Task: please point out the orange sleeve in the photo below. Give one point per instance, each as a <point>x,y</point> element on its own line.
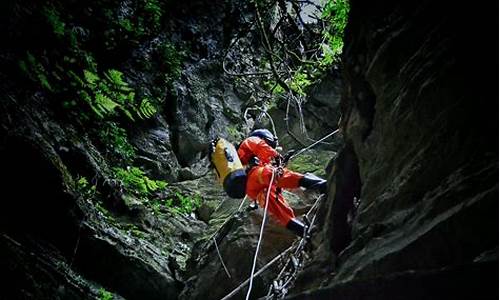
<point>261,149</point>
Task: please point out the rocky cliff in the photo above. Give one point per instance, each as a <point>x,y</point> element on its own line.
<point>107,108</point>
<point>413,204</point>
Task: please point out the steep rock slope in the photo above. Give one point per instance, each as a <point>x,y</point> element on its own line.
<point>68,227</point>
<point>413,204</point>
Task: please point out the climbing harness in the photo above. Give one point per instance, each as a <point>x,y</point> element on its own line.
<point>297,252</point>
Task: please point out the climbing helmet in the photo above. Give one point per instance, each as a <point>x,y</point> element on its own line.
<point>266,135</point>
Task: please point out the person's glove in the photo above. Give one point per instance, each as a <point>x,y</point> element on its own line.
<point>287,155</point>
<point>254,161</point>
<point>278,160</point>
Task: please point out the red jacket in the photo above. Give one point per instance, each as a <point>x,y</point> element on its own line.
<point>259,178</point>
<point>255,146</point>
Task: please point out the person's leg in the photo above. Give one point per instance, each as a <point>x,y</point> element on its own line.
<point>289,179</point>
<point>277,207</point>
<point>313,182</point>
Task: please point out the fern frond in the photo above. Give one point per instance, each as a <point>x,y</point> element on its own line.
<point>90,78</point>
<point>147,109</point>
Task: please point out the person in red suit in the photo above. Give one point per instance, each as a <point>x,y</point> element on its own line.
<point>258,152</point>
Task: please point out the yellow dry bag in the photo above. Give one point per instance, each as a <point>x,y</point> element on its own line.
<point>230,171</point>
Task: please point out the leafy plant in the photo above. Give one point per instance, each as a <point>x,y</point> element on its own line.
<point>154,12</point>
<point>335,13</point>
<point>106,96</point>
<point>135,181</point>
<point>85,189</point>
<point>34,70</point>
<point>146,109</point>
<point>299,82</point>
<point>115,138</point>
<point>183,203</point>
<point>170,61</point>
<point>53,18</point>
<point>105,295</point>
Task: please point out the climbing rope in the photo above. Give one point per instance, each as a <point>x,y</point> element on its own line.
<point>260,236</point>
<point>292,251</point>
<point>270,263</point>
<point>221,260</point>
<point>280,285</point>
<point>263,112</point>
<point>313,144</point>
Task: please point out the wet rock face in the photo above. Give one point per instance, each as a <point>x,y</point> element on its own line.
<point>320,112</point>
<point>155,152</point>
<point>58,242</point>
<point>419,121</point>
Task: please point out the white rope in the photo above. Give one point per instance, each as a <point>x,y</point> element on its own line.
<point>260,237</point>
<point>313,144</point>
<point>263,112</point>
<point>237,289</point>
<point>220,257</point>
<point>298,249</point>
<point>241,204</point>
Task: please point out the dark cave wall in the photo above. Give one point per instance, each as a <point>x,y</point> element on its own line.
<point>419,115</point>
<point>56,243</point>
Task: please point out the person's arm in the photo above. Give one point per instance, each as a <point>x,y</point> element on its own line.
<point>262,150</point>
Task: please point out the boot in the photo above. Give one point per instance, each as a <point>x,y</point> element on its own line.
<point>296,227</point>
<point>313,182</point>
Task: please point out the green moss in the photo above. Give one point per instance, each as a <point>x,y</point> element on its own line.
<point>85,189</point>
<point>313,161</point>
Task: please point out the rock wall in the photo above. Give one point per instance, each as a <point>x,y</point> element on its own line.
<point>57,241</point>
<point>413,205</point>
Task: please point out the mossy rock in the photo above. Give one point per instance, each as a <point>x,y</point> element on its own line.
<point>312,161</point>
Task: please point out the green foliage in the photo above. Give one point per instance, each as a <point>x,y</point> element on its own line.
<point>153,12</point>
<point>273,87</point>
<point>133,230</point>
<point>54,19</point>
<point>299,82</point>
<point>111,94</point>
<point>34,70</point>
<point>105,295</point>
<point>335,13</point>
<point>85,189</point>
<point>104,212</point>
<point>170,61</point>
<point>115,138</point>
<point>146,19</point>
<point>183,203</point>
<point>146,109</point>
<point>135,181</point>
